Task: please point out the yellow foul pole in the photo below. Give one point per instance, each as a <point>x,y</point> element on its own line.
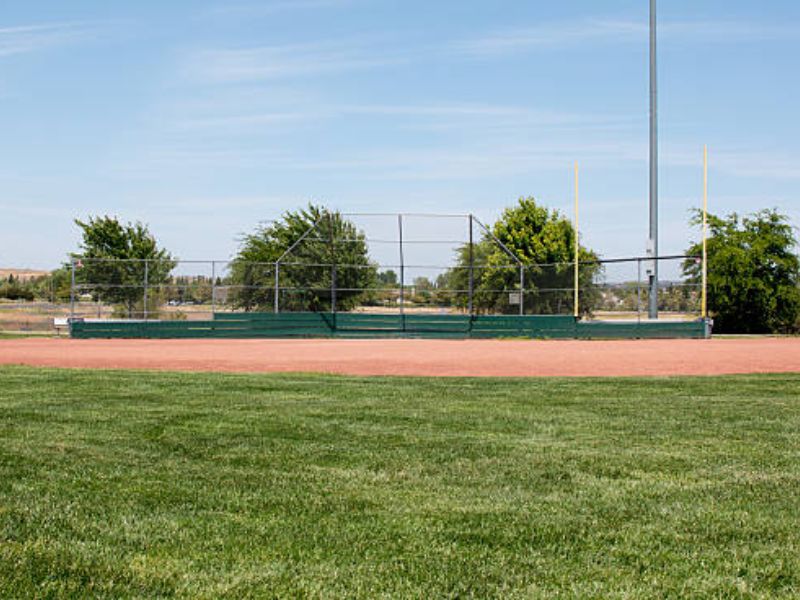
<point>577,245</point>
<point>705,232</point>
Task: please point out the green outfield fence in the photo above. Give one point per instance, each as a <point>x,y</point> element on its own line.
<point>387,275</point>
<point>367,325</point>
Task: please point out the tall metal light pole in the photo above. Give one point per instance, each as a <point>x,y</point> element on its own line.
<point>652,247</point>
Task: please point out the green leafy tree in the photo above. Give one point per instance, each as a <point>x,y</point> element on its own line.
<point>15,288</point>
<point>333,248</point>
<point>116,259</point>
<point>52,287</point>
<point>753,272</point>
<point>388,289</point>
<point>453,284</point>
<point>55,286</point>
<point>388,278</point>
<point>193,289</point>
<point>543,241</point>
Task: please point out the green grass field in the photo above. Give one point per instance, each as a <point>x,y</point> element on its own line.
<point>125,484</point>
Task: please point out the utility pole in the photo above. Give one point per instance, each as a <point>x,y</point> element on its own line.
<point>652,246</point>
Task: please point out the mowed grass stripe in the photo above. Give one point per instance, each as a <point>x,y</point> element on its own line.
<point>134,484</point>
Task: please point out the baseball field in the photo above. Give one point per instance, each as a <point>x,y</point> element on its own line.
<point>158,484</point>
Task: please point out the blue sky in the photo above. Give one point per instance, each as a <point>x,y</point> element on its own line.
<point>203,118</point>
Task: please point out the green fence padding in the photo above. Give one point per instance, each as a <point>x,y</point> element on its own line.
<point>368,322</point>
<point>365,325</point>
<point>437,323</point>
<point>528,326</point>
<point>641,330</point>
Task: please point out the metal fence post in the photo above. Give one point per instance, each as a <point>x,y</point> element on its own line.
<point>72,291</point>
<point>402,265</point>
<point>639,289</point>
<point>277,308</point>
<point>333,264</point>
<point>145,289</point>
<point>471,268</point>
<point>213,287</point>
<point>576,307</point>
<point>521,290</point>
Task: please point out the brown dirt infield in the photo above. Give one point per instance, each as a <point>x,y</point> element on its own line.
<point>478,358</point>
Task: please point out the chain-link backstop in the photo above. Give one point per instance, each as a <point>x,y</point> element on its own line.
<point>426,264</point>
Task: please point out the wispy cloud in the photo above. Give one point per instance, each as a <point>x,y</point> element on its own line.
<point>735,162</point>
<point>550,35</point>
<point>595,31</point>
<point>443,117</point>
<point>252,9</point>
<point>758,166</point>
<point>730,31</point>
<point>24,39</point>
<point>29,207</point>
<point>262,63</point>
<point>212,204</point>
<point>441,163</point>
<point>277,62</point>
<point>248,121</point>
<point>255,119</point>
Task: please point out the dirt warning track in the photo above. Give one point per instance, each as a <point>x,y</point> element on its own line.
<point>478,358</point>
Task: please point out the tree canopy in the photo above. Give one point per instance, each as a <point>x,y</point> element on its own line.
<point>753,273</point>
<point>543,241</point>
<point>116,259</point>
<point>332,247</point>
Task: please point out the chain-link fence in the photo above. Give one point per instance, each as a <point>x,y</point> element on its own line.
<point>395,264</point>
<point>620,288</point>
